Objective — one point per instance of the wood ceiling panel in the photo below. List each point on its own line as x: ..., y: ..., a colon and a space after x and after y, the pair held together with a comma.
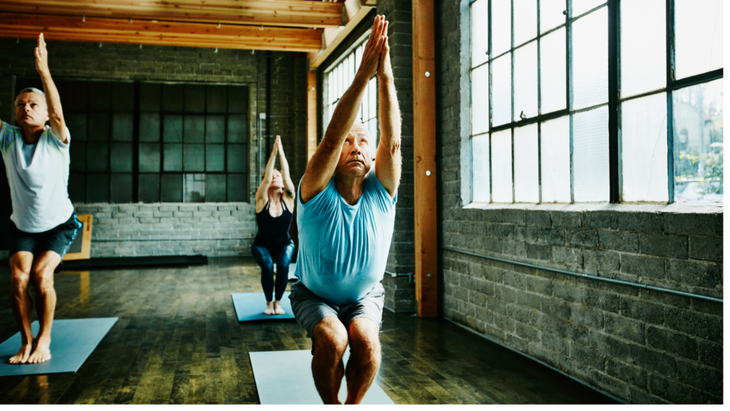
x: 292, y: 13
x: 163, y: 33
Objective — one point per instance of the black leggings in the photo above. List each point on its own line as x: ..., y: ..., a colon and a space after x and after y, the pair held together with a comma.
x: 283, y: 254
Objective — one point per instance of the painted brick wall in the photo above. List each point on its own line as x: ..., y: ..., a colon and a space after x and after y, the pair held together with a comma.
x: 639, y: 346
x: 213, y: 229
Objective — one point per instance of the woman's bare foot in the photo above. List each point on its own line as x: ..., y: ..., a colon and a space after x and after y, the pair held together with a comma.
x: 269, y: 308
x: 22, y: 356
x: 277, y: 308
x: 42, y: 352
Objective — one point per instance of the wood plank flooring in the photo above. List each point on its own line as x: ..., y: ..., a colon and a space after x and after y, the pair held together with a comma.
x: 178, y: 341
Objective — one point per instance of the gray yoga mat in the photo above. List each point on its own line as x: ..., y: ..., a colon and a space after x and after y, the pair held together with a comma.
x: 285, y: 377
x: 72, y: 341
x: 251, y: 306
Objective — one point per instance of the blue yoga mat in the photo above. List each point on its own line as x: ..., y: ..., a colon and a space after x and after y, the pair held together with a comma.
x: 285, y: 377
x: 72, y: 341
x: 251, y: 306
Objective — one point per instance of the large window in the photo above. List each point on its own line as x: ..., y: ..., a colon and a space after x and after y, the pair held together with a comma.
x: 596, y: 101
x: 338, y: 78
x: 156, y: 142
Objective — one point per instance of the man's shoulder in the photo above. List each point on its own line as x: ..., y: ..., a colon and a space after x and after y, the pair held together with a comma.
x: 7, y: 135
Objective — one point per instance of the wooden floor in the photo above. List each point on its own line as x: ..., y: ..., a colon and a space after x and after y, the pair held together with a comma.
x: 178, y: 341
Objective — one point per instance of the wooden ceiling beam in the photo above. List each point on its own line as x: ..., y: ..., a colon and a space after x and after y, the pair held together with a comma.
x: 165, y: 33
x: 287, y: 13
x: 356, y: 12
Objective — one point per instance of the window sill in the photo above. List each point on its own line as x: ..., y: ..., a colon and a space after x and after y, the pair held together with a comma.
x: 677, y: 208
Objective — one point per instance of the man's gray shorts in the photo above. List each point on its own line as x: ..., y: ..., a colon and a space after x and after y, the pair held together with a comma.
x: 309, y: 309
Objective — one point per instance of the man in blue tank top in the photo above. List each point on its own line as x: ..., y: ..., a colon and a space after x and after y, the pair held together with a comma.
x: 345, y: 216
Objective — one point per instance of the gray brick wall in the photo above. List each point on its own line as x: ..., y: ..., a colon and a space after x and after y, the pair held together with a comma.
x: 213, y: 229
x: 642, y: 347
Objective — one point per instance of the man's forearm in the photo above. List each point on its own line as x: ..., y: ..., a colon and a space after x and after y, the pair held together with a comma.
x: 55, y: 112
x: 389, y: 113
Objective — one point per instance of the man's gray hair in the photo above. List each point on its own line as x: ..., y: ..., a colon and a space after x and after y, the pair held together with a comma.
x: 31, y: 90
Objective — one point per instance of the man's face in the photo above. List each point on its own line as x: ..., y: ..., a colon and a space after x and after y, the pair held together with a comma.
x: 356, y: 155
x: 30, y: 110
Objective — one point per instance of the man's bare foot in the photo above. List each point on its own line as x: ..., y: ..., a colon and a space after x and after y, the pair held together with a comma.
x: 277, y: 308
x: 42, y: 353
x: 22, y: 356
x: 269, y: 308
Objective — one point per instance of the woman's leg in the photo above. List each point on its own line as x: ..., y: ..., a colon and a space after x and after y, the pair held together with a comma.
x: 282, y: 274
x: 263, y: 259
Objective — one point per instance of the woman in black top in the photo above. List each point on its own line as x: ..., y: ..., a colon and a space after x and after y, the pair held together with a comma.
x: 274, y: 205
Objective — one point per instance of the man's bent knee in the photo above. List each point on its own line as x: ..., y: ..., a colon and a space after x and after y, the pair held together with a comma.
x: 329, y: 336
x: 364, y: 337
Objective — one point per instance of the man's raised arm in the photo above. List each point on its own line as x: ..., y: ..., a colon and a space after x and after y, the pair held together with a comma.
x: 53, y: 100
x: 323, y: 163
x: 388, y: 157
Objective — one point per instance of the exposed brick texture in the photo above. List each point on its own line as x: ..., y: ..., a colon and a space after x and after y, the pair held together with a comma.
x: 642, y: 347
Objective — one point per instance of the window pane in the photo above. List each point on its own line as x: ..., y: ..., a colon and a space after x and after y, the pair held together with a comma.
x: 480, y: 166
x: 479, y: 32
x: 502, y: 90
x: 121, y: 188
x: 643, y: 49
x: 97, y: 158
x: 527, y: 189
x: 237, y: 129
x: 215, y: 188
x: 501, y: 26
x: 100, y: 95
x: 77, y: 152
x: 555, y: 160
x: 525, y: 21
x: 172, y: 129
x: 172, y: 97
x: 215, y: 129
x: 502, y: 166
x: 149, y: 188
x: 194, y: 98
x: 149, y: 158
x: 214, y: 157
x: 582, y: 6
x: 551, y: 14
x: 172, y: 157
x: 97, y: 188
x: 76, y: 123
x: 194, y: 185
x: 75, y: 100
x: 553, y: 91
x: 480, y: 99
x: 122, y: 125
x: 237, y: 99
x: 149, y: 96
x: 590, y: 60
x: 194, y: 156
x: 122, y: 96
x: 121, y: 157
x: 215, y: 97
x: 237, y: 158
x: 77, y: 188
x: 698, y: 143
x: 526, y: 81
x: 590, y: 155
x: 98, y: 127
x: 171, y: 187
x: 644, y: 149
x: 698, y: 36
x: 237, y: 187
x: 194, y: 129
x: 149, y: 127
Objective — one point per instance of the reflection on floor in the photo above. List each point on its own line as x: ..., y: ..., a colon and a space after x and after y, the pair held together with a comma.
x: 178, y: 341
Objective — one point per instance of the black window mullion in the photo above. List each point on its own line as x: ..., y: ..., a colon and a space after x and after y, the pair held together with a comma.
x: 512, y: 91
x: 569, y: 90
x: 614, y: 172
x: 490, y: 100
x: 670, y: 104
x: 539, y: 109
x: 135, y: 144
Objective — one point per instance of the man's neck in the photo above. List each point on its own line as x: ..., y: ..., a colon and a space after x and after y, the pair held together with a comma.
x: 349, y: 187
x: 31, y: 135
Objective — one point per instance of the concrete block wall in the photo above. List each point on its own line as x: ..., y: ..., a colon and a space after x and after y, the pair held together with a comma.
x: 213, y: 229
x: 639, y: 346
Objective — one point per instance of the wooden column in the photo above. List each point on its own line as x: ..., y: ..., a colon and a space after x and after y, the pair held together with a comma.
x: 311, y: 113
x: 424, y: 158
